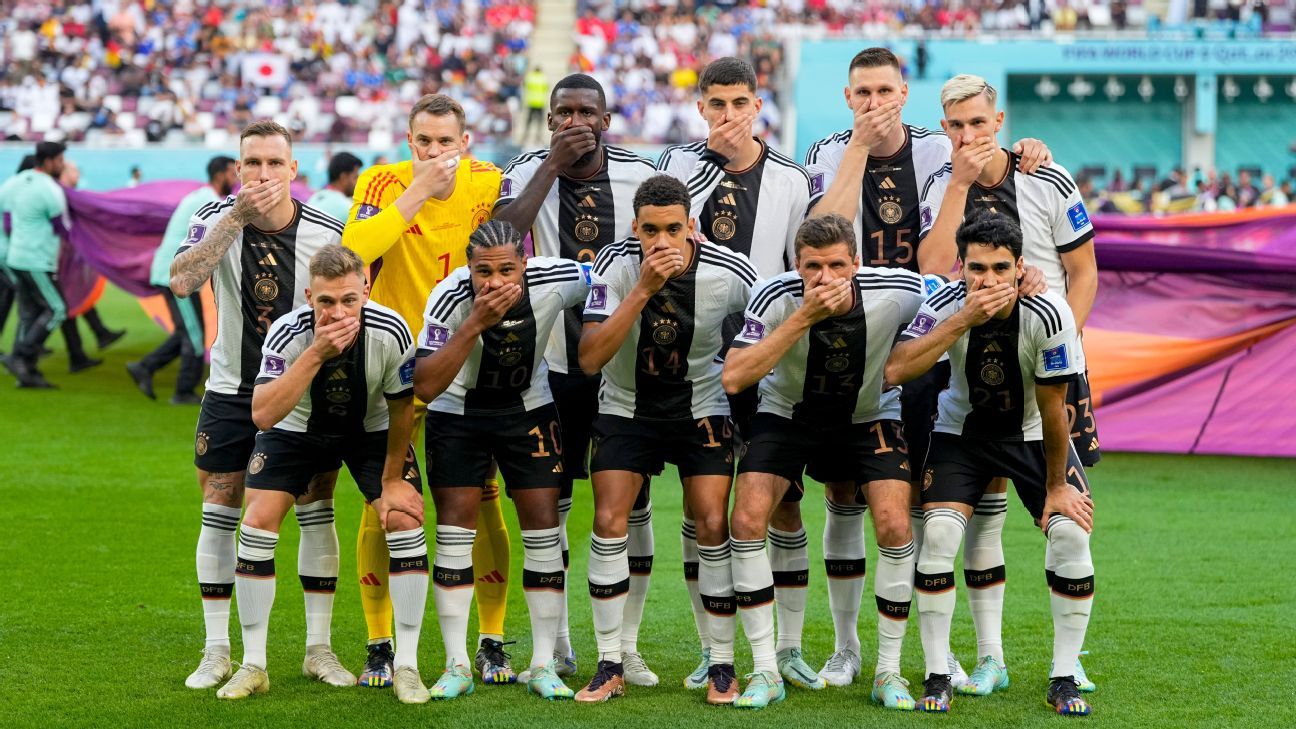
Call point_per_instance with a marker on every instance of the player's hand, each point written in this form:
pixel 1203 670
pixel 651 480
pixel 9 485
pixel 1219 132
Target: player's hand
pixel 1034 154
pixel 1032 282
pixel 660 263
pixel 333 336
pixel 871 128
pixel 1064 499
pixel 434 176
pixel 729 136
pixel 256 199
pixel 399 496
pixel 970 159
pixel 492 302
pixel 570 142
pixel 822 300
pixel 983 302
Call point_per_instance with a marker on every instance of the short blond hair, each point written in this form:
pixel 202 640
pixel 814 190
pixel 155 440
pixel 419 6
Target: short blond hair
pixel 333 262
pixel 965 86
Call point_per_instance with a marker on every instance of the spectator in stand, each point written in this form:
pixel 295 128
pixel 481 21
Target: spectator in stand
pixel 1247 193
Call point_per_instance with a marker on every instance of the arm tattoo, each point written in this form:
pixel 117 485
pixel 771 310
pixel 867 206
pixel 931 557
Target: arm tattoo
pixel 191 269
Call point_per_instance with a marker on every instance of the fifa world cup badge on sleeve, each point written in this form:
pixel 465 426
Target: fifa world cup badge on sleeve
pixel 196 233
pixel 367 211
pixel 506 187
pixel 753 331
pixel 1056 359
pixel 817 184
pixel 435 337
pixel 598 297
pixel 921 324
pixel 274 366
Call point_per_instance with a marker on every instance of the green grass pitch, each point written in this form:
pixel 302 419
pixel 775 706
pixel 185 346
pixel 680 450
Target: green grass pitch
pixel 100 619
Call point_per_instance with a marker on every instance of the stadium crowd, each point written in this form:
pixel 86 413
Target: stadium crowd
pixel 1202 191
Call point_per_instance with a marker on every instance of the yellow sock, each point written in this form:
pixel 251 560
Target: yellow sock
pixel 491 562
pixel 371 564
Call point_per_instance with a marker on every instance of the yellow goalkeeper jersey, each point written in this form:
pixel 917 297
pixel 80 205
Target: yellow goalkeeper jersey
pixel 416 254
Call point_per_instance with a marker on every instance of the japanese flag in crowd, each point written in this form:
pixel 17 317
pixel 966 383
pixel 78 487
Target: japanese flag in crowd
pixel 265 69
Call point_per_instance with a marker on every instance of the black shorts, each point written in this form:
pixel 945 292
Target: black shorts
pixel 1080 415
pixel 918 409
pixel 284 460
pixel 960 468
pixel 576 397
pixel 697 447
pixel 860 453
pixel 528 447
pixel 226 433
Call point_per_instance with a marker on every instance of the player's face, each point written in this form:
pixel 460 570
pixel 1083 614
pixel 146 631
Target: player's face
pixel 971 119
pixel 985 266
pixel 431 135
pixel 873 87
pixel 54 167
pixel 819 266
pixel 225 182
pixel 669 224
pixel 495 267
pixel 339 297
pixel 262 159
pixel 583 108
pixel 726 103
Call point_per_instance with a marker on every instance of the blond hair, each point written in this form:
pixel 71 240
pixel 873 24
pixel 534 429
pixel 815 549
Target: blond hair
pixel 965 86
pixel 333 262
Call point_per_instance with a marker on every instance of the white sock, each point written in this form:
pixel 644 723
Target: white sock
pixel 984 573
pixel 256 590
pixel 916 527
pixel 790 563
pixel 715 583
pixel 689 549
pixel 453 577
pixel 640 550
pixel 753 584
pixel 943 529
pixel 893 591
pixel 609 582
pixel 1071 598
pixel 844 560
pixel 407 575
pixel 543 582
pixel 215 560
pixel 562 640
pixel 317 567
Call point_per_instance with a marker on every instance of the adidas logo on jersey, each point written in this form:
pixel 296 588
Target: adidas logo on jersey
pixel 839 343
pixel 587 202
pixel 887 184
pixel 729 200
pixel 992 347
pixel 338 374
pixel 268 260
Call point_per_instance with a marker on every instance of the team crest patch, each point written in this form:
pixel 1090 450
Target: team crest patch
pixel 753 330
pixel 922 324
pixel 598 297
pixel 929 475
pixel 407 372
pixel 196 233
pixel 1078 216
pixel 274 365
pixel 506 187
pixel 1056 359
pixel 435 337
pixel 367 211
pixel 257 463
pixel 201 444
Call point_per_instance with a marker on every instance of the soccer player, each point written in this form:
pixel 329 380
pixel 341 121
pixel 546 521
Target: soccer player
pixel 816 339
pixel 575 198
pixel 335 386
pixel 1056 236
pixel 739 186
pixel 410 221
pixel 38 212
pixel 482 370
pixel 1003 415
pixel 255 247
pixel 653 327
pixel 8 282
pixel 873 174
pixel 187 340
pixel 334 199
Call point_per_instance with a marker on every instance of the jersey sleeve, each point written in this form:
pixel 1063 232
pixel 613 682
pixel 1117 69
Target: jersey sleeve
pixel 576 291
pixel 931 312
pixel 742 280
pixel 1071 225
pixel 398 376
pixel 374 223
pixel 796 215
pixel 765 312
pixel 701 177
pixel 441 315
pixel 283 345
pixel 822 161
pixel 929 200
pixel 607 288
pixel 515 178
pixel 198 229
pixel 1058 356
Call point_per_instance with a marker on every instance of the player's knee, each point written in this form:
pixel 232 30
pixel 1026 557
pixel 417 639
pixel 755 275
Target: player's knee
pixel 942 534
pixel 892 526
pixel 787 516
pixel 399 521
pixel 713 528
pixel 1068 542
pixel 747 523
pixel 609 524
pixel 842 492
pixel 222 489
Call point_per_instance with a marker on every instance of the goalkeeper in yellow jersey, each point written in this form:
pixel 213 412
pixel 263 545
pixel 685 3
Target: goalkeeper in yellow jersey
pixel 410 222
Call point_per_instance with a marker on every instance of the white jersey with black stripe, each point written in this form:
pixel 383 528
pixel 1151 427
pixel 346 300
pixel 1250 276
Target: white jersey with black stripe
pixel 506 372
pixel 833 374
pixel 995 366
pixel 350 391
pixel 260 278
pixel 755 211
pixel 667 367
